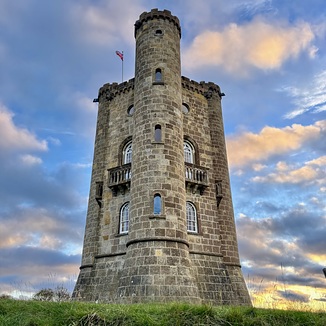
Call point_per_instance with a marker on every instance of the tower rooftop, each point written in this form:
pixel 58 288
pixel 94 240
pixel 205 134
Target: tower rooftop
pixel 157 14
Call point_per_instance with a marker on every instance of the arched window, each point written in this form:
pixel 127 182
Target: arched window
pixel 189 152
pixel 158 75
pixel 192 224
pixel 124 219
pixel 127 153
pixel 158 133
pixel 157 204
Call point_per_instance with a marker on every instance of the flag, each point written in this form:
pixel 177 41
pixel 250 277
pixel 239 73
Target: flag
pixel 119 54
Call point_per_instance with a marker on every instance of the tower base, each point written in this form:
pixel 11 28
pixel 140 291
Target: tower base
pixel 154 277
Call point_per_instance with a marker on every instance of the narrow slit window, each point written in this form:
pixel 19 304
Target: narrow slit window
pixel 157 204
pixel 158 133
pixel 158 75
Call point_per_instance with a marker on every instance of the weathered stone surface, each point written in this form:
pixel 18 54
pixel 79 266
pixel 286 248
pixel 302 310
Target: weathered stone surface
pixel 158 259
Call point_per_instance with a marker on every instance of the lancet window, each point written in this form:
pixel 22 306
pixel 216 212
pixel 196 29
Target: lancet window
pixel 189 152
pixel 191 213
pixel 124 219
pixel 127 153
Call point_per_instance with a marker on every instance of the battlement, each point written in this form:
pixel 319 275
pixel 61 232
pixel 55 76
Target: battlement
pixel 157 14
pixel 110 90
pixel 204 88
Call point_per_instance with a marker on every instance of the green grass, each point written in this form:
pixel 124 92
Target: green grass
pixel 38 313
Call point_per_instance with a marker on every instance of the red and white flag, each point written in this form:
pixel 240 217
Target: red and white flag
pixel 119 54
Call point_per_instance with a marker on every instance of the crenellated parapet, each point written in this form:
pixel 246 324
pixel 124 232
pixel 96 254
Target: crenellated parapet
pixel 110 90
pixel 204 88
pixel 157 14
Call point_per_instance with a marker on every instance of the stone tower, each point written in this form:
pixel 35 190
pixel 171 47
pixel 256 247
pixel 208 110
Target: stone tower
pixel 160 224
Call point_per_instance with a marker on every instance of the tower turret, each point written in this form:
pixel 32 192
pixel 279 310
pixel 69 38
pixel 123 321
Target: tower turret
pixel 158 196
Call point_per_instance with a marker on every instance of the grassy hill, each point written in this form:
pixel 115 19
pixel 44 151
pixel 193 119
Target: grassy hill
pixel 38 313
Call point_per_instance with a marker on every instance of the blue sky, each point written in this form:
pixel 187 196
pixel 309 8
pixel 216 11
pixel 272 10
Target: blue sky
pixel 268 57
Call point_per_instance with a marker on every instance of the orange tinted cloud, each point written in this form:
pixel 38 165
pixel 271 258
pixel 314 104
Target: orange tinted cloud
pixel 258 44
pixel 305 173
pixel 247 147
pixel 37 227
pixel 313 171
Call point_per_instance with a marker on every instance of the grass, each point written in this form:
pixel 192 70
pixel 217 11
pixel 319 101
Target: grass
pixel 40 313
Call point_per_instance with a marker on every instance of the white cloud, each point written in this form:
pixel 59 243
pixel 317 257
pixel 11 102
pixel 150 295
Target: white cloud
pixel 16 138
pixel 321 161
pixel 247 147
pixel 260 44
pixel 102 24
pixel 86 113
pixel 30 159
pixel 84 103
pixel 258 167
pixel 253 7
pixel 311 98
pixel 54 141
pixel 82 165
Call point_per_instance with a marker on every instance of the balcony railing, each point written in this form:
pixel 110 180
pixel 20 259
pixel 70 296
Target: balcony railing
pixel 119 178
pixel 196 178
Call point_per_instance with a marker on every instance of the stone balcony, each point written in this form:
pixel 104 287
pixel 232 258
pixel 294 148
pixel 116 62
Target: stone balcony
pixel 119 178
pixel 196 178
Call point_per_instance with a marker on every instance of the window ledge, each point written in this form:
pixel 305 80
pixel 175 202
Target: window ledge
pixel 158 217
pixel 193 233
pixel 118 235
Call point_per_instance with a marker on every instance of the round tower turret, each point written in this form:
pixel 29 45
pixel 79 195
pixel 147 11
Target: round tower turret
pixel 158 243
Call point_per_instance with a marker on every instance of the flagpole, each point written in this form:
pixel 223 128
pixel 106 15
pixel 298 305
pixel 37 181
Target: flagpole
pixel 120 55
pixel 122 67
